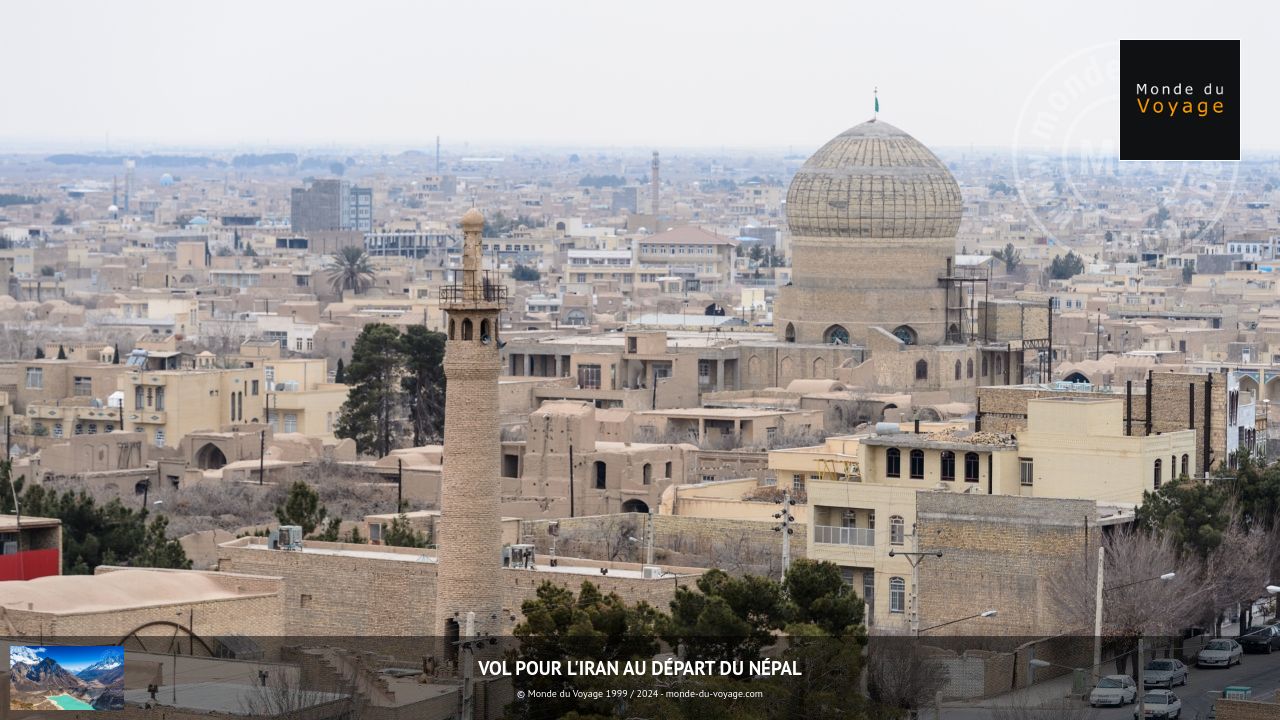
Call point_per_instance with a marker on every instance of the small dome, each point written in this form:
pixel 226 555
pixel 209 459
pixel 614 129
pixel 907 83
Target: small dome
pixel 874 181
pixel 472 219
pixel 166 179
pixel 113 209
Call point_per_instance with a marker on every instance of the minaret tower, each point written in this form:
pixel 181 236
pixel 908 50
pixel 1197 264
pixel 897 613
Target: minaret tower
pixel 470 547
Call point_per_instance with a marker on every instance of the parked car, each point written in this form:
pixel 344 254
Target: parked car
pixel 1223 652
pixel 1263 639
pixel 1160 704
pixel 1114 690
pixel 1164 673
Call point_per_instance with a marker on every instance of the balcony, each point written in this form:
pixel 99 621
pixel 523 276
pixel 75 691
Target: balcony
pixel 832 535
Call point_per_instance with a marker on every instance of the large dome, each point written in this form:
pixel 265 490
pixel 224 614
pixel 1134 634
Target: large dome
pixel 874 181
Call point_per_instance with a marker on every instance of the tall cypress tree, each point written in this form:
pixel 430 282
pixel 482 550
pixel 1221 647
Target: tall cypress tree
pixel 372 410
pixel 423 382
pixel 340 375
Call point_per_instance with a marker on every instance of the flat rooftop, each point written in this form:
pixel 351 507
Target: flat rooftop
pixel 113 591
pixel 229 698
pixel 9 523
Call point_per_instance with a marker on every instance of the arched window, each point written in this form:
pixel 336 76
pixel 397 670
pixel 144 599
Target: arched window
pixel 790 333
pixel 984 366
pixel 897 530
pixel 906 334
pixel 453 332
pixel 893 463
pixel 968 371
pixel 648 474
pixel 917 464
pixel 1185 461
pixel 1157 474
pixel 484 331
pixel 948 465
pixel 466 329
pixel 957 369
pixel 953 333
pixel 836 335
pixel 922 369
pixel 897 595
pixel 999 364
pixel 971 467
pixel 600 475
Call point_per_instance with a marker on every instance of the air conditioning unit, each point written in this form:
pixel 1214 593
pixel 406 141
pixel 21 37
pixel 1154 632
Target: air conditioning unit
pixel 651 572
pixel 290 537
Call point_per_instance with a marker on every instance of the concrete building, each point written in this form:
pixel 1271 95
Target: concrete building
pixel 331 204
pixel 30 547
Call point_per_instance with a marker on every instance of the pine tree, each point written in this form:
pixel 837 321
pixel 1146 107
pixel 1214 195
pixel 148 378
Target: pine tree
pixel 39 353
pixel 115 360
pixel 423 382
pixel 302 508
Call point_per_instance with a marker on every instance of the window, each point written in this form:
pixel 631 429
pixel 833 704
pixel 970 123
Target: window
pixel 82 387
pixel 668 470
pixel 297 344
pixel 836 335
pixel 600 475
pixel 704 371
pixel 948 465
pixel 897 530
pixel 917 464
pixel 646 475
pixel 897 595
pixel 969 368
pixel 137 398
pixel 971 467
pixel 1185 460
pixel 291 422
pixel 159 398
pixel 375 532
pixel 797 483
pixel 869 593
pixel 253 387
pixel 984 365
pixel 922 370
pixel 1026 472
pixel 893 463
pixel 57 430
pixel 589 377
pixel 957 369
pixel 1157 474
pixel 269 373
pixel 160 437
pixel 846 575
pixel 79 429
pixel 35 379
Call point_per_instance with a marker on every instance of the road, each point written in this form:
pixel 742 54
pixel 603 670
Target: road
pixel 1260 672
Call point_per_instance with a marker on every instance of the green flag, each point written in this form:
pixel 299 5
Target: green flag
pixel 877 103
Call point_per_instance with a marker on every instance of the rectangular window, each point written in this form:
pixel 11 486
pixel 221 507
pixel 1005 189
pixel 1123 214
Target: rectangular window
pixel 160 437
pixel 253 388
pixel 589 377
pixel 797 483
pixel 159 398
pixel 704 371
pixel 1025 472
pixel 35 379
pixel 291 422
pixel 137 397
pixel 375 532
pixel 82 387
pixel 269 372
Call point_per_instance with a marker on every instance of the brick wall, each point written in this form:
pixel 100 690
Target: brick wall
pixel 1247 710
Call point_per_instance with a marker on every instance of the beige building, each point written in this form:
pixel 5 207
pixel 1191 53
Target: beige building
pixel 166 405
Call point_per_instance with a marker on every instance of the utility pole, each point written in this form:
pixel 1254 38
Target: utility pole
pixel 784 526
pixel 399 484
pixel 1142 705
pixel 262 455
pixel 915 557
pixel 1097 617
pixel 466 690
pixel 648 540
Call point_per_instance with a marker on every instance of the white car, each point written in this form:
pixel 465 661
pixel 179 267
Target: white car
pixel 1223 652
pixel 1114 690
pixel 1164 673
pixel 1160 704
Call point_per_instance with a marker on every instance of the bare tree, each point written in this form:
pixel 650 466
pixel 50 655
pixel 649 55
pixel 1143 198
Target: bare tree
pixel 900 675
pixel 283 694
pixel 1236 571
pixel 1136 603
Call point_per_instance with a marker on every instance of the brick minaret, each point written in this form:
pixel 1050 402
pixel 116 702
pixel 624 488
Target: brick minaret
pixel 470 538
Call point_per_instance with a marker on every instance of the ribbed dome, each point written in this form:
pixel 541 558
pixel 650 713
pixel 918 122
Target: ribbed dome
pixel 874 181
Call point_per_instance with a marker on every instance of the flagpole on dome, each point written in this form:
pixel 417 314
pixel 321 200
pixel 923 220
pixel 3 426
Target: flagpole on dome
pixel 876 94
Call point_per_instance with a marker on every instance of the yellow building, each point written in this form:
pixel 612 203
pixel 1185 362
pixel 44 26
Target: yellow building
pixel 166 405
pixel 300 397
pixel 861 492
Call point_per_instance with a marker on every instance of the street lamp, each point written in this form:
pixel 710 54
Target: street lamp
pixel 1097 614
pixel 1273 589
pixel 983 614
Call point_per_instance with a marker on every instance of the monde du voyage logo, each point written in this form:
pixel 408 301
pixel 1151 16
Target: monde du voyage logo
pixel 1179 99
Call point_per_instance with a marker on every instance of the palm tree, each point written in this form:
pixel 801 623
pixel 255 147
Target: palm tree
pixel 350 270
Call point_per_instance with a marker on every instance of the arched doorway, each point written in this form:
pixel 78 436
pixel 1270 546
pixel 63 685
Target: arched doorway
pixel 790 333
pixel 635 506
pixel 1076 377
pixel 210 457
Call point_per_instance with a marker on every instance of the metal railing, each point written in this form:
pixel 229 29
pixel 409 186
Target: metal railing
pixel 486 292
pixel 833 535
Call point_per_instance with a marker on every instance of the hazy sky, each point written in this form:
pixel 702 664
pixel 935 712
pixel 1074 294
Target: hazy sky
pixel 693 73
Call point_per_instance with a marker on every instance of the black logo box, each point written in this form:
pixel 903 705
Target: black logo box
pixel 1185 65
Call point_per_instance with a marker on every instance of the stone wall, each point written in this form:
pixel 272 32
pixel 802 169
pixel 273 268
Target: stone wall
pixel 998 553
pixel 1247 710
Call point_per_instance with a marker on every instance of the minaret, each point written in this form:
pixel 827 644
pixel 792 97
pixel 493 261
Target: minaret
pixel 470 538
